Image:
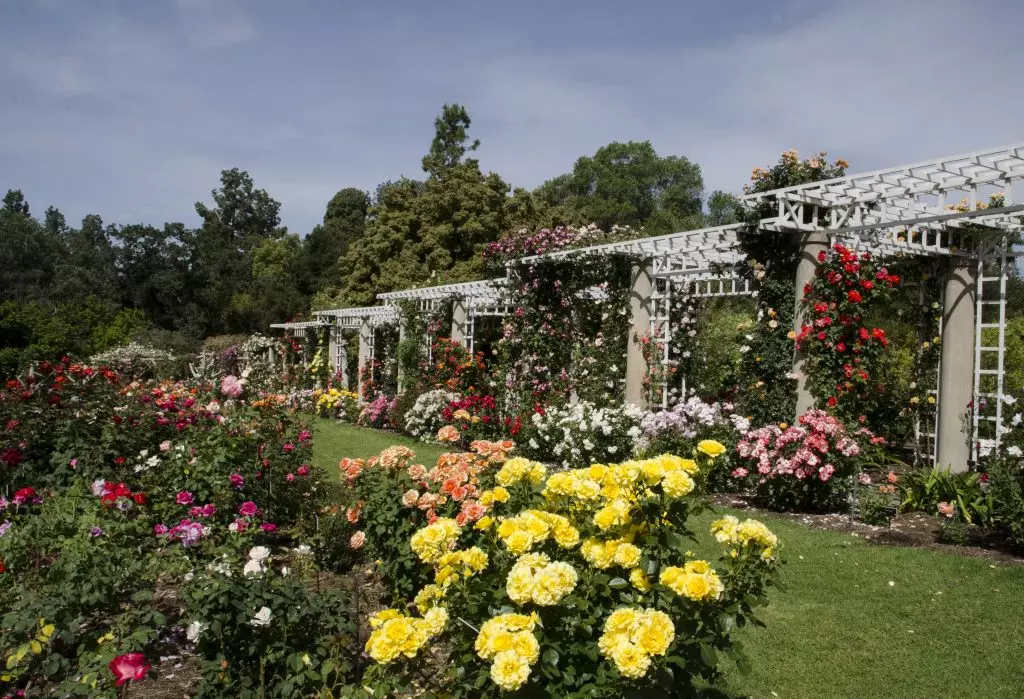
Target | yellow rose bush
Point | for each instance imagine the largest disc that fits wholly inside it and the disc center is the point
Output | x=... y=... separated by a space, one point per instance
x=580 y=583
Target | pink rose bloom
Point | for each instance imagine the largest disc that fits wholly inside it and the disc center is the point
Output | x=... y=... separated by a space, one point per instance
x=305 y=435
x=209 y=510
x=196 y=512
x=230 y=386
x=825 y=472
x=248 y=509
x=185 y=498
x=740 y=472
x=268 y=527
x=357 y=540
x=302 y=470
x=289 y=477
x=237 y=481
x=239 y=525
x=159 y=529
x=288 y=448
x=410 y=498
x=165 y=445
x=864 y=479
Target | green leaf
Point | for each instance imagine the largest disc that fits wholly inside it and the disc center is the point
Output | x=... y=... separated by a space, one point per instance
x=551 y=657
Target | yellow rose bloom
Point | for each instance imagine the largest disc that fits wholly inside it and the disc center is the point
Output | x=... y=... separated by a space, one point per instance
x=711 y=448
x=677 y=484
x=510 y=670
x=638 y=579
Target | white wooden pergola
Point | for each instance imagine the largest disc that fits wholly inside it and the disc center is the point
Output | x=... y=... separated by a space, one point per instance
x=366 y=320
x=937 y=208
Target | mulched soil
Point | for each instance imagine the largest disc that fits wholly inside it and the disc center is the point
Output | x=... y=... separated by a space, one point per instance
x=912 y=529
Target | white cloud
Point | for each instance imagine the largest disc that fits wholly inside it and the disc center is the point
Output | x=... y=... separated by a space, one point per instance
x=110 y=112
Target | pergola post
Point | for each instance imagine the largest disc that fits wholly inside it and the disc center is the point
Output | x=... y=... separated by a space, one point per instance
x=365 y=342
x=332 y=347
x=811 y=244
x=460 y=322
x=401 y=338
x=956 y=365
x=641 y=284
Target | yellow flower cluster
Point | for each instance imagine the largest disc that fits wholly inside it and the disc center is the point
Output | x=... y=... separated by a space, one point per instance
x=696 y=581
x=534 y=578
x=428 y=597
x=508 y=642
x=638 y=579
x=605 y=554
x=520 y=469
x=489 y=497
x=614 y=514
x=618 y=483
x=332 y=399
x=395 y=634
x=434 y=540
x=455 y=565
x=527 y=529
x=730 y=531
x=632 y=635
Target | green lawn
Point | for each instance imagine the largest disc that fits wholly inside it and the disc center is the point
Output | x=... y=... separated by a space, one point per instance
x=856 y=619
x=334 y=440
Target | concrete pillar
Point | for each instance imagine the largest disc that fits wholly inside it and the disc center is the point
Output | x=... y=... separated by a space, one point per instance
x=460 y=322
x=811 y=244
x=332 y=348
x=956 y=365
x=365 y=339
x=641 y=285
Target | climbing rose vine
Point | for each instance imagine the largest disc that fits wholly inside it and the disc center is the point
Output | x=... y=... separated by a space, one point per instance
x=843 y=351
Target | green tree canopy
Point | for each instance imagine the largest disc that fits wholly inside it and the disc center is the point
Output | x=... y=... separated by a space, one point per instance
x=628 y=184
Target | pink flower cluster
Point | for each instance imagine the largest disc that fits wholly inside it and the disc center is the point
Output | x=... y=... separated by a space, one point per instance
x=813 y=449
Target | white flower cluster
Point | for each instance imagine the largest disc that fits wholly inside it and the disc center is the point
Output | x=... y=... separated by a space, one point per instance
x=685 y=420
x=582 y=433
x=424 y=419
x=134 y=359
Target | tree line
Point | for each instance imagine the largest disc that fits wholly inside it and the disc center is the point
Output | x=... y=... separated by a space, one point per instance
x=68 y=290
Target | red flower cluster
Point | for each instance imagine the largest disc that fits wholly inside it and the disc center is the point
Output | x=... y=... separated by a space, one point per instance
x=112 y=493
x=833 y=333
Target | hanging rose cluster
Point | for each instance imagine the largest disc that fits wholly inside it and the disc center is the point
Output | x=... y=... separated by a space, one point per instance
x=841 y=346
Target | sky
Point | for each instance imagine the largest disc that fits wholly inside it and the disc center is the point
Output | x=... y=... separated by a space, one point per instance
x=131 y=109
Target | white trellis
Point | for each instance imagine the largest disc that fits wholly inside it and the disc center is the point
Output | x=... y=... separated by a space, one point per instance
x=940 y=208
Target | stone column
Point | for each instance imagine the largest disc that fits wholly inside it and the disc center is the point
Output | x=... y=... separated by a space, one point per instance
x=811 y=244
x=956 y=365
x=365 y=339
x=332 y=347
x=640 y=287
x=402 y=334
x=460 y=323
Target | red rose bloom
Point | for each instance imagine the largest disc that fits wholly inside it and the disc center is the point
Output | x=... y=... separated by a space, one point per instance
x=854 y=296
x=127 y=667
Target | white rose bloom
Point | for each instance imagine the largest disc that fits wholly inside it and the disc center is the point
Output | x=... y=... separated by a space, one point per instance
x=252 y=568
x=195 y=630
x=1014 y=452
x=258 y=553
x=262 y=617
x=303 y=550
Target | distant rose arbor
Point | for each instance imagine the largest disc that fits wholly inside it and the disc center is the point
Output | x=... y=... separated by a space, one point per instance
x=955 y=215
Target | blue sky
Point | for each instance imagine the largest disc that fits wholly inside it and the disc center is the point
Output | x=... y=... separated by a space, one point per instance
x=130 y=109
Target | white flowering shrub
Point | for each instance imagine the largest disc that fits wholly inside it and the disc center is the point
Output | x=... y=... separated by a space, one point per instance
x=579 y=434
x=254 y=359
x=135 y=360
x=424 y=418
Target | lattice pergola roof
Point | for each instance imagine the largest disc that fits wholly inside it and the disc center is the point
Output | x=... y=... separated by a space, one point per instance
x=907 y=208
x=302 y=325
x=353 y=317
x=483 y=292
